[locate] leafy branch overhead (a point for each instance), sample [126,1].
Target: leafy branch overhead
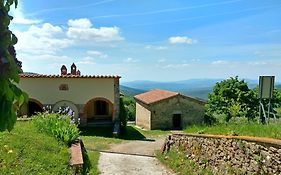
[11,97]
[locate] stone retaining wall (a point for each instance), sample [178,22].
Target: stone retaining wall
[229,154]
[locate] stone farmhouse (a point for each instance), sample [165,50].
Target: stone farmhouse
[161,109]
[92,98]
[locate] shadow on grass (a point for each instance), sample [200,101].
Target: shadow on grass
[130,134]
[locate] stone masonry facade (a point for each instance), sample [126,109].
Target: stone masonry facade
[229,155]
[191,110]
[160,115]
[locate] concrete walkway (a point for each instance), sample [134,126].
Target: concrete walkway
[139,147]
[122,164]
[133,158]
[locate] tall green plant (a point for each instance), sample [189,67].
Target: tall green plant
[123,115]
[60,126]
[11,97]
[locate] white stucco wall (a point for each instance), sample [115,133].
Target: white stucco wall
[81,90]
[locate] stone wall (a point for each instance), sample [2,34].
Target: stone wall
[229,154]
[142,115]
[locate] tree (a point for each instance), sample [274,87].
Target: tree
[123,116]
[231,98]
[11,97]
[130,106]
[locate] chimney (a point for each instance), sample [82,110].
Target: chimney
[78,72]
[63,70]
[73,69]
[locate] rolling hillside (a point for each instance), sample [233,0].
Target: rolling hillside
[199,88]
[127,91]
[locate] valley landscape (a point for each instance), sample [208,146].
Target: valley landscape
[199,88]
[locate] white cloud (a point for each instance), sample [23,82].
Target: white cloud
[86,61]
[182,39]
[46,57]
[220,62]
[156,47]
[131,60]
[19,17]
[46,30]
[25,21]
[97,54]
[83,23]
[195,60]
[82,29]
[175,66]
[47,39]
[162,60]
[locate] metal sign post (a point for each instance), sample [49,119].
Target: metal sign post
[266,87]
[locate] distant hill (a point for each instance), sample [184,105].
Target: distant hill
[200,93]
[193,84]
[127,91]
[194,87]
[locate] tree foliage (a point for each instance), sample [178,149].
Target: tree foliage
[231,98]
[11,97]
[275,101]
[130,106]
[123,115]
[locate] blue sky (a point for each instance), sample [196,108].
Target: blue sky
[160,40]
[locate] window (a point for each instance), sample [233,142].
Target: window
[63,87]
[101,107]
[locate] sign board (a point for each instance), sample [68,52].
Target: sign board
[266,87]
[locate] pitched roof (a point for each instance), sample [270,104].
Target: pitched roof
[31,75]
[155,96]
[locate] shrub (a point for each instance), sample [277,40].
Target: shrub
[60,126]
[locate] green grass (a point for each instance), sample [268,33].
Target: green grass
[102,138]
[98,138]
[26,151]
[152,134]
[94,158]
[272,130]
[177,161]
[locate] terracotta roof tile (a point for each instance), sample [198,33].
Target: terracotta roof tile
[66,76]
[155,96]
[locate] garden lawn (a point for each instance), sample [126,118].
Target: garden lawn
[26,151]
[272,130]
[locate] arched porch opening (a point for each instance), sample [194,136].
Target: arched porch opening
[30,108]
[98,109]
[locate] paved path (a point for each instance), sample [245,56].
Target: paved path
[122,164]
[139,147]
[133,158]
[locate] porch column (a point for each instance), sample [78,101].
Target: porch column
[116,99]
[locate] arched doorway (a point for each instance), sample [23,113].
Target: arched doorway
[98,109]
[31,108]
